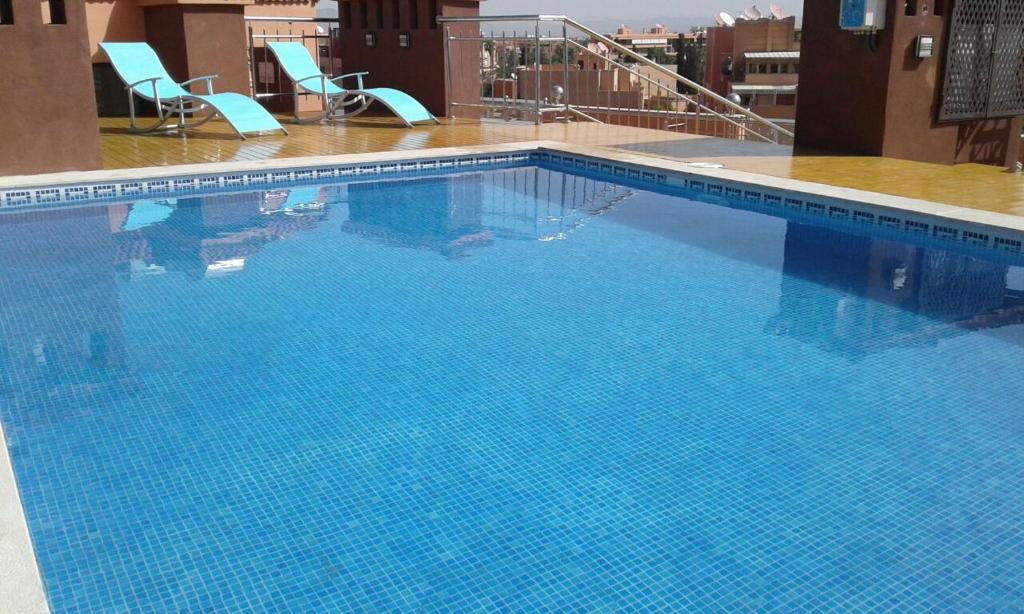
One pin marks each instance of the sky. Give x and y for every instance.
(605, 15)
(640, 13)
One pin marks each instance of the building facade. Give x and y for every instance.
(655, 39)
(758, 60)
(882, 94)
(43, 129)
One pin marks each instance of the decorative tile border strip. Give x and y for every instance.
(850, 213)
(731, 192)
(19, 198)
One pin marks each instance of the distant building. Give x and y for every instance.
(657, 37)
(596, 57)
(759, 60)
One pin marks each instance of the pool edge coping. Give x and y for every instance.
(954, 213)
(21, 583)
(958, 213)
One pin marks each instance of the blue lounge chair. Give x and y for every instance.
(143, 74)
(338, 102)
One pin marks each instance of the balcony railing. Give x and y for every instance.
(556, 69)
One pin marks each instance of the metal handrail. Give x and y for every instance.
(696, 103)
(681, 79)
(625, 51)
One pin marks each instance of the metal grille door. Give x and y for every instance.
(1008, 66)
(985, 61)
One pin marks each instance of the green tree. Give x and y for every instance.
(657, 55)
(556, 55)
(690, 60)
(531, 55)
(507, 62)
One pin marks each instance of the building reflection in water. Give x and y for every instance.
(955, 292)
(61, 332)
(465, 212)
(212, 235)
(60, 312)
(62, 340)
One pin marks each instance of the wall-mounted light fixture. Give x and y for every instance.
(925, 46)
(371, 39)
(404, 40)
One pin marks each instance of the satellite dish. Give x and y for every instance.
(742, 17)
(777, 11)
(753, 12)
(727, 19)
(718, 21)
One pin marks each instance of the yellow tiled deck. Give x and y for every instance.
(969, 185)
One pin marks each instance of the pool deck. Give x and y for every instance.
(969, 185)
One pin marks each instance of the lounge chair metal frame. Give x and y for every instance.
(166, 110)
(333, 103)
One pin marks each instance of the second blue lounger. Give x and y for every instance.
(307, 78)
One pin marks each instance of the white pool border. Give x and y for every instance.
(21, 587)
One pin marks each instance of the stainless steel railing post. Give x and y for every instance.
(449, 90)
(565, 67)
(536, 65)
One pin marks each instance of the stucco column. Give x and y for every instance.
(197, 38)
(49, 121)
(406, 50)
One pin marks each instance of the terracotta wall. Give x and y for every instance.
(113, 21)
(774, 111)
(881, 100)
(719, 47)
(586, 87)
(418, 69)
(49, 120)
(843, 85)
(735, 41)
(765, 35)
(196, 39)
(915, 90)
(788, 78)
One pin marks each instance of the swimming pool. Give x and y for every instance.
(509, 389)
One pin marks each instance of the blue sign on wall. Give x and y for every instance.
(851, 16)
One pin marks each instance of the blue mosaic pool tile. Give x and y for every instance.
(512, 390)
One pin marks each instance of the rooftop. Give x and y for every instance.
(970, 185)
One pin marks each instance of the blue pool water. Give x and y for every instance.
(508, 390)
